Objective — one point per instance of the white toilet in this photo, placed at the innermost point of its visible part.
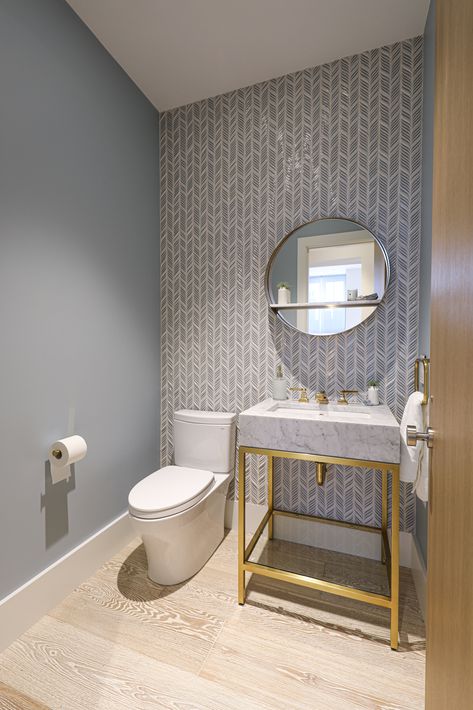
(179, 510)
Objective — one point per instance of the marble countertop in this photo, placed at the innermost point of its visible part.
(348, 431)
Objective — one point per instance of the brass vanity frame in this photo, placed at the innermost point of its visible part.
(388, 556)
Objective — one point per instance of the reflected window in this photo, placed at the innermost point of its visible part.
(329, 284)
(326, 285)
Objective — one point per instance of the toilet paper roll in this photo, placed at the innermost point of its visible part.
(63, 453)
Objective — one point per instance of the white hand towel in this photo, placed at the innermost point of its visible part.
(413, 414)
(421, 486)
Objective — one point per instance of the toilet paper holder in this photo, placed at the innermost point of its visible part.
(63, 454)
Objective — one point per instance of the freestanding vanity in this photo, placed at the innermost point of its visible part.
(353, 435)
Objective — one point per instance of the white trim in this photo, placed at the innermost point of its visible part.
(419, 572)
(23, 607)
(334, 537)
(254, 514)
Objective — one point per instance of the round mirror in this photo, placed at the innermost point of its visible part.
(327, 276)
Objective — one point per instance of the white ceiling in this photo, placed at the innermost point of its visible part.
(180, 51)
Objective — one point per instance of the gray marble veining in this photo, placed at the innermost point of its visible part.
(351, 431)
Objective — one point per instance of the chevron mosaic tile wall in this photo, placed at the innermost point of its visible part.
(237, 173)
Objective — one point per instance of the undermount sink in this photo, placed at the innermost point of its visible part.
(314, 411)
(346, 431)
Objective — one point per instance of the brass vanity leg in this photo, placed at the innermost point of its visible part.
(270, 495)
(395, 558)
(384, 513)
(241, 526)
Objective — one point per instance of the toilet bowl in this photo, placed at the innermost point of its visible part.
(179, 510)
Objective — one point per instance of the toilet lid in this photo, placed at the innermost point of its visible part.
(169, 490)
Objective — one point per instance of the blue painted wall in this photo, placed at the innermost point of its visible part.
(79, 282)
(426, 233)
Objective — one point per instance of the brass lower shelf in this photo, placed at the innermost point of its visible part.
(368, 575)
(268, 569)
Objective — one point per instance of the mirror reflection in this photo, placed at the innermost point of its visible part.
(327, 276)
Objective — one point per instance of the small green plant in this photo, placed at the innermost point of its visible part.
(373, 383)
(283, 284)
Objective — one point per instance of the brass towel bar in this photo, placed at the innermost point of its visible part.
(425, 362)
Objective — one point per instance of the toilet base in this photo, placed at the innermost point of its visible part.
(178, 546)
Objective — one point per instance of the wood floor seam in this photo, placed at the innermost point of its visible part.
(213, 645)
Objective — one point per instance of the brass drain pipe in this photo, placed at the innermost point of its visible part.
(320, 472)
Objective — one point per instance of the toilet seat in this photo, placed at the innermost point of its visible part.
(169, 490)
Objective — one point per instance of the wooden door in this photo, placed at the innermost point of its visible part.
(449, 681)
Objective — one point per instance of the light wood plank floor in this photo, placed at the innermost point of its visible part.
(120, 641)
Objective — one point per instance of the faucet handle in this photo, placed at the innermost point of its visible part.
(321, 397)
(343, 393)
(303, 399)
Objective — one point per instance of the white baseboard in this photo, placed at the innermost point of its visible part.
(254, 514)
(23, 607)
(334, 537)
(419, 572)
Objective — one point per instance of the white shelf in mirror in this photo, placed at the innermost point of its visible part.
(336, 304)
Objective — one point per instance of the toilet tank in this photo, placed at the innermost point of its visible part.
(205, 440)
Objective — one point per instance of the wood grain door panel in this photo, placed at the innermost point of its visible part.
(449, 678)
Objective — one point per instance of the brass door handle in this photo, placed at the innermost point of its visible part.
(413, 436)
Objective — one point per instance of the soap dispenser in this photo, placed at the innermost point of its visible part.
(279, 384)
